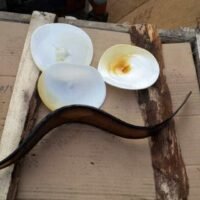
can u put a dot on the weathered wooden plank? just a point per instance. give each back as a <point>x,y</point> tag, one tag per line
<point>12,41</point>
<point>197,56</point>
<point>28,126</point>
<point>177,35</point>
<point>172,37</point>
<point>6,86</point>
<point>15,17</point>
<point>167,36</point>
<point>91,164</point>
<point>25,18</point>
<point>171,180</point>
<point>96,25</point>
<point>119,9</point>
<point>23,90</point>
<point>182,78</point>
<point>165,14</point>
<point>71,151</point>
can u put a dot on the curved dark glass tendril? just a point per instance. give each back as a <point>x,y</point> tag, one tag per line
<point>85,115</point>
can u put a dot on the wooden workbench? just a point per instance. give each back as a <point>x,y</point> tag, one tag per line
<point>71,166</point>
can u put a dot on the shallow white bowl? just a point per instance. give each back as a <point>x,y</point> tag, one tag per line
<point>67,84</point>
<point>60,43</point>
<point>128,67</point>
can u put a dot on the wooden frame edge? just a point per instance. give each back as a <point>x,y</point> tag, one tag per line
<point>167,36</point>
<point>185,34</point>
<point>195,45</point>
<point>18,109</point>
<point>15,17</point>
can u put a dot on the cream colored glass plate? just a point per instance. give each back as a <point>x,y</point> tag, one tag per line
<point>67,84</point>
<point>128,67</point>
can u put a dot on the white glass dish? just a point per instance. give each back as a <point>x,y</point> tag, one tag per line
<point>60,43</point>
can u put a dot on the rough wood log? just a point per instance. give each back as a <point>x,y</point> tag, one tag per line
<point>177,35</point>
<point>171,181</point>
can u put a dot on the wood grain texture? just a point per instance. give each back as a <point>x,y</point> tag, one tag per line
<point>185,34</point>
<point>6,87</point>
<point>31,119</point>
<point>90,163</point>
<point>112,169</point>
<point>181,77</point>
<point>197,55</point>
<point>39,180</point>
<point>15,17</point>
<point>95,25</point>
<point>12,41</point>
<point>27,76</point>
<point>171,180</point>
<point>11,46</point>
<point>165,14</point>
<point>121,8</point>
